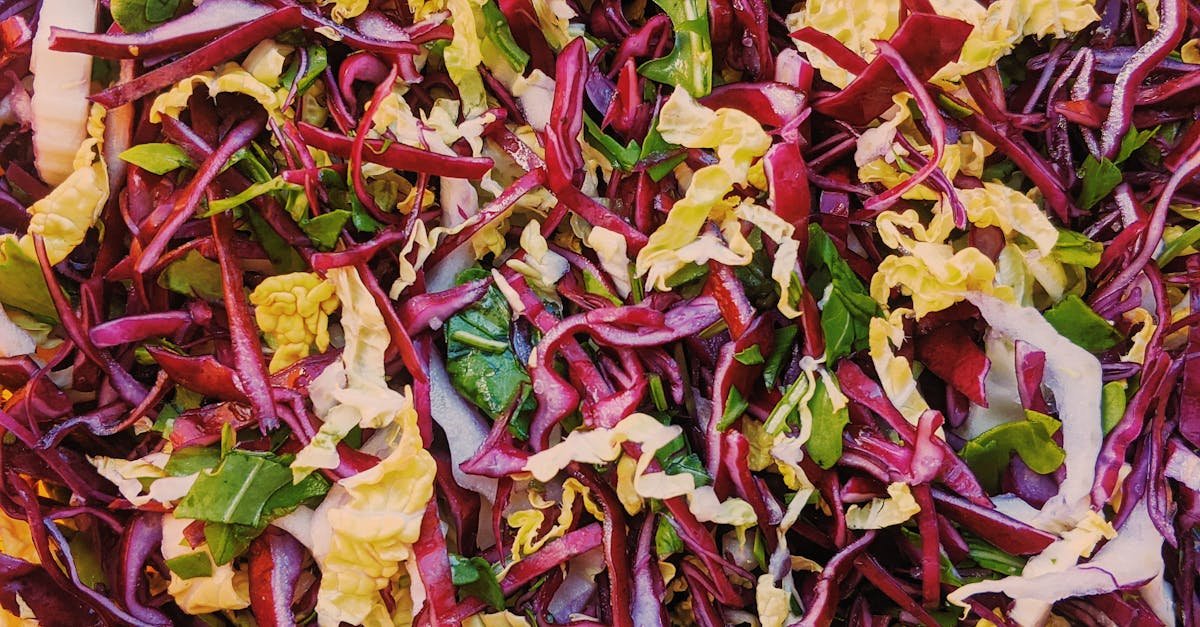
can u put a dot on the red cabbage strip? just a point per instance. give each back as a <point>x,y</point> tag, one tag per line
<point>1189,400</point>
<point>220,49</point>
<point>949,352</point>
<point>825,594</point>
<point>833,48</point>
<point>556,398</point>
<point>184,207</point>
<point>123,382</point>
<point>247,351</point>
<point>705,614</point>
<point>616,552</point>
<point>397,156</point>
<point>1008,534</point>
<point>988,125</point>
<point>936,131</point>
<point>1155,225</point>
<point>464,505</point>
<point>199,26</point>
<point>555,553</point>
<point>737,451</point>
<point>1172,23</point>
<point>203,374</point>
<point>700,542</point>
<point>870,93</point>
<point>425,311</point>
<point>434,565</point>
<point>25,495</point>
<point>772,104</point>
<point>564,156</point>
<point>312,20</point>
<point>879,577</point>
<point>491,212</point>
<point>787,180</point>
<point>276,561</point>
<point>730,375</point>
<point>724,286</point>
<point>930,546</point>
<point>140,540</point>
<point>358,182</point>
<point>1031,365</point>
<point>358,253</point>
<point>270,210</point>
<point>401,344</point>
<point>131,329</point>
<point>866,392</point>
<point>648,609</point>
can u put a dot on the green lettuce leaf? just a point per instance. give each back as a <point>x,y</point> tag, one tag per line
<point>1074,320</point>
<point>689,64</point>
<point>825,443</point>
<point>990,452</point>
<point>846,315</point>
<point>479,358</point>
<point>474,577</point>
<point>158,158</point>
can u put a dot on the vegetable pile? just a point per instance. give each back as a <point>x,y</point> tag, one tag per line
<point>516,312</point>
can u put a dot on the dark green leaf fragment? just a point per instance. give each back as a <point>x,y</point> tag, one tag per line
<point>1077,322</point>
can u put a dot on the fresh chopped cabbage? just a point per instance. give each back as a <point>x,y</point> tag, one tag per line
<point>225,589</point>
<point>1074,377</point>
<point>362,534</point>
<point>738,140</point>
<point>131,477</point>
<point>884,512</point>
<point>352,391</point>
<point>292,310</point>
<point>541,267</point>
<point>230,78</point>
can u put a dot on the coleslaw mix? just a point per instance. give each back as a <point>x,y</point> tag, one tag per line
<point>580,312</point>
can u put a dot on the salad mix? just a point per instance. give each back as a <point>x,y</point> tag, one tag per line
<point>549,312</point>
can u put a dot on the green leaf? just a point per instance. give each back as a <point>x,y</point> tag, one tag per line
<point>1077,249</point>
<point>1132,141</point>
<point>195,276</point>
<point>191,565</point>
<point>227,541</point>
<point>1178,245</point>
<point>825,443</point>
<point>23,286</point>
<point>496,29</point>
<point>657,394</point>
<point>846,315</point>
<point>318,60</point>
<point>735,406</point>
<point>1099,179</point>
<point>593,285</point>
<point>990,452</point>
<point>135,16</point>
<point>689,64</point>
<point>688,463</point>
<point>1112,404</point>
<point>786,406</point>
<point>236,490</point>
<point>283,257</point>
<point>325,228</point>
<point>479,358</point>
<point>993,558</point>
<point>475,577</point>
<point>191,460</point>
<point>221,205</point>
<point>666,539</point>
<point>158,158</point>
<point>784,339</point>
<point>751,356</point>
<point>656,149</point>
<point>1072,318</point>
<point>622,157</point>
<point>688,273</point>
